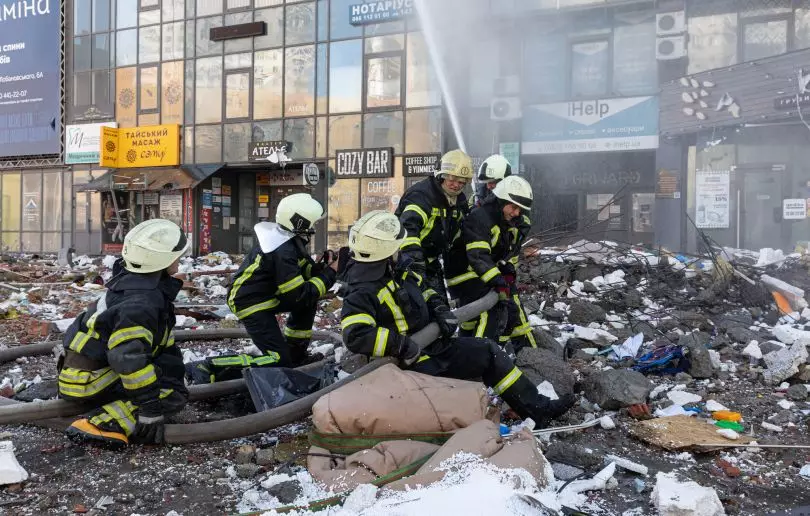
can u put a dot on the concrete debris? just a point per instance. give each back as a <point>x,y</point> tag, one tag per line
<point>700,361</point>
<point>586,313</point>
<point>797,392</point>
<point>286,492</point>
<point>752,350</point>
<point>784,363</point>
<point>10,470</point>
<point>599,337</point>
<point>789,335</point>
<point>598,483</point>
<point>617,388</point>
<point>540,365</point>
<point>674,498</point>
<point>628,464</point>
<point>772,428</point>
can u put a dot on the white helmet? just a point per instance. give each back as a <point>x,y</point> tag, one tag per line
<point>376,236</point>
<point>455,163</point>
<point>153,245</point>
<point>494,168</point>
<point>515,190</point>
<point>298,213</point>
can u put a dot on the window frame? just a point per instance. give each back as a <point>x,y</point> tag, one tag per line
<point>365,108</point>
<point>572,42</point>
<point>225,74</point>
<point>155,111</point>
<point>743,22</point>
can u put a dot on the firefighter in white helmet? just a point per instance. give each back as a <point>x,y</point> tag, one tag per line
<point>119,354</point>
<point>490,173</point>
<point>431,212</point>
<point>386,302</point>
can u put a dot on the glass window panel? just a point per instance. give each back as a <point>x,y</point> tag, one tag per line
<point>237,140</point>
<point>802,27</point>
<point>422,86</point>
<point>480,132</point>
<point>267,83</point>
<point>299,81</point>
<point>239,44</point>
<point>236,61</point>
<point>146,4</point>
<point>381,193</point>
<point>126,97</point>
<point>81,17</point>
<point>11,204</point>
<point>188,144</point>
<point>237,95</point>
<point>267,130</point>
<point>345,76</point>
<point>191,8</point>
<point>344,204</point>
<point>479,85</point>
<point>206,47</point>
<point>82,89</point>
<point>752,8</point>
<point>149,44</point>
<point>102,53</point>
<point>52,201</point>
<point>31,242</point>
<point>322,80</point>
<point>300,23</point>
<point>209,7</point>
<point>208,143</point>
<point>764,39</point>
<point>81,53</point>
<point>238,4</point>
<point>148,90</point>
<point>67,201</point>
<point>378,29</point>
<point>11,242</point>
<point>383,130</point>
<point>32,201</point>
<point>149,17</point>
<point>101,15</point>
<point>208,97</point>
<point>301,132</point>
<point>323,20</point>
<point>171,85</point>
<point>126,14</point>
<point>188,101</point>
<point>379,44</point>
<point>344,133</point>
<point>321,133</point>
<point>95,211</point>
<point>712,42</point>
<point>266,3</point>
<point>635,68</point>
<point>173,40</point>
<point>274,18</point>
<point>102,88</point>
<point>126,45</point>
<point>51,242</point>
<point>423,131</point>
<point>149,119</point>
<point>173,9</point>
<point>544,57</point>
<point>191,39</point>
<point>589,69</point>
<point>384,88</point>
<point>339,20</point>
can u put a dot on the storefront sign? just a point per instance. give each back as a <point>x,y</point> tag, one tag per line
<point>264,151</point>
<point>312,174</point>
<point>794,209</point>
<point>380,11</point>
<point>421,165</point>
<point>624,124</point>
<point>789,102</point>
<point>149,146</point>
<point>83,142</point>
<point>280,178</point>
<point>667,185</point>
<point>30,78</point>
<point>171,207</point>
<point>511,151</point>
<point>365,163</point>
<point>712,188</point>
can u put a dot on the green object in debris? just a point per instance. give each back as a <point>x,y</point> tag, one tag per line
<point>730,425</point>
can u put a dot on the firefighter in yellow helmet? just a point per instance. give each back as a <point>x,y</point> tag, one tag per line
<point>431,212</point>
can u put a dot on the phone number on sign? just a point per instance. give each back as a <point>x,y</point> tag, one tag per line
<point>17,94</point>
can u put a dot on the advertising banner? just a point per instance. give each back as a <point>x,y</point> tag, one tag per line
<point>380,11</point>
<point>712,191</point>
<point>591,126</point>
<point>83,142</point>
<point>115,225</point>
<point>30,108</point>
<point>149,146</point>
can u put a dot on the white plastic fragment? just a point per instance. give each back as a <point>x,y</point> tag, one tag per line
<point>789,335</point>
<point>597,483</point>
<point>683,398</point>
<point>361,498</point>
<point>805,471</point>
<point>715,406</point>
<point>629,465</point>
<point>547,389</point>
<point>674,498</point>
<point>607,423</point>
<point>771,427</point>
<point>10,470</point>
<point>794,295</point>
<point>673,410</point>
<point>728,433</point>
<point>786,404</point>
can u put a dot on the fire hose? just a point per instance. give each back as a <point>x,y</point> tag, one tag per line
<point>252,423</point>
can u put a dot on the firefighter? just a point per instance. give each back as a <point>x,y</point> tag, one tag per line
<point>386,302</point>
<point>490,173</point>
<point>119,354</point>
<point>277,276</point>
<point>485,257</point>
<point>431,212</point>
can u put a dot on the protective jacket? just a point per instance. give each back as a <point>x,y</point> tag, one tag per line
<point>126,335</point>
<point>283,275</point>
<point>430,221</point>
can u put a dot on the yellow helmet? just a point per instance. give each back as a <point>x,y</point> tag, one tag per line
<point>455,163</point>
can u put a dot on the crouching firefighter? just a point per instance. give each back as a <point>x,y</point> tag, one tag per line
<point>484,258</point>
<point>119,354</point>
<point>386,302</point>
<point>277,276</point>
<point>431,212</point>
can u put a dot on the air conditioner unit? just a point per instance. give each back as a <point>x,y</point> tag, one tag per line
<point>672,47</point>
<point>667,24</point>
<point>505,108</point>
<point>506,86</point>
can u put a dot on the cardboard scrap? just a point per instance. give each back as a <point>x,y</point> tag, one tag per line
<point>679,433</point>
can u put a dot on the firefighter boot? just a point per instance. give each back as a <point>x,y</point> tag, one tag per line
<point>524,399</point>
<point>83,431</point>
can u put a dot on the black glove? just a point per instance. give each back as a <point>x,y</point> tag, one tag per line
<point>446,319</point>
<point>150,426</point>
<point>343,257</point>
<point>558,407</point>
<point>507,269</point>
<point>409,352</point>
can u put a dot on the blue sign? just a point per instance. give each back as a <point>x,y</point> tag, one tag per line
<point>379,11</point>
<point>30,107</point>
<point>622,124</point>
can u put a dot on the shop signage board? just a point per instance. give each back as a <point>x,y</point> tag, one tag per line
<point>380,11</point>
<point>794,209</point>
<point>30,78</point>
<point>280,178</point>
<point>420,165</point>
<point>363,163</point>
<point>83,142</point>
<point>312,174</point>
<point>511,151</point>
<point>262,151</point>
<point>712,191</point>
<point>622,124</point>
<point>135,147</point>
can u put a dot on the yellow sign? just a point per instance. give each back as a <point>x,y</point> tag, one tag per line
<point>264,199</point>
<point>132,147</point>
